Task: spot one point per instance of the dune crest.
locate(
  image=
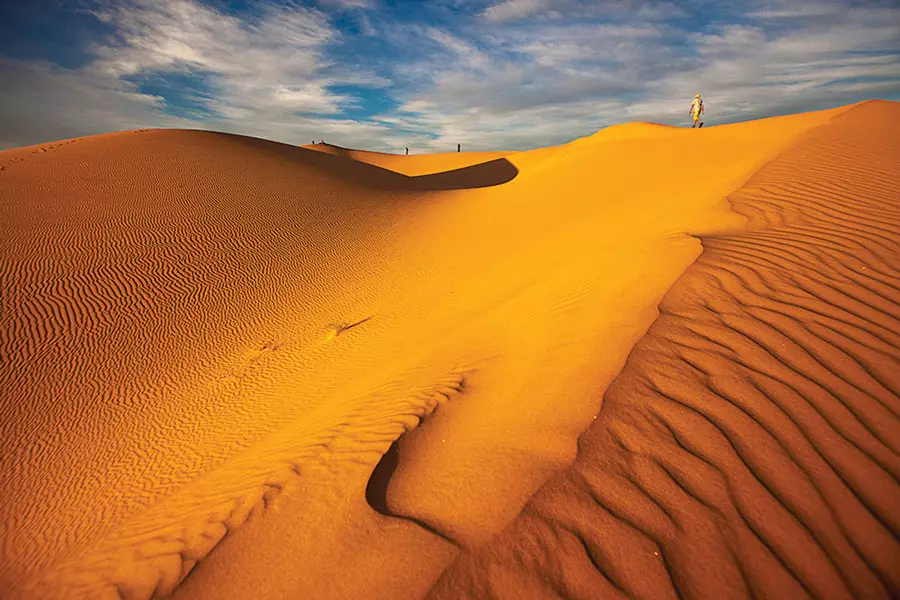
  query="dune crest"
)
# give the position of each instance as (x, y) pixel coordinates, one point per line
(414, 164)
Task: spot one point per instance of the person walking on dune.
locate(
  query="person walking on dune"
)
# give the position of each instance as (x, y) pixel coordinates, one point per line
(696, 110)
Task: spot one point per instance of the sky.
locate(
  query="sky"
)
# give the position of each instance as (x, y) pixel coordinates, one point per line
(386, 74)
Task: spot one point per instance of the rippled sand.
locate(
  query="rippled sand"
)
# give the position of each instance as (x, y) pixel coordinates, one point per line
(257, 370)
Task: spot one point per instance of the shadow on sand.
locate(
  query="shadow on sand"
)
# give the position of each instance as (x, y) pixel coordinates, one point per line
(376, 490)
(487, 174)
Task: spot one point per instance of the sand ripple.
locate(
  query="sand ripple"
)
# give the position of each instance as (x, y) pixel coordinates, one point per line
(750, 446)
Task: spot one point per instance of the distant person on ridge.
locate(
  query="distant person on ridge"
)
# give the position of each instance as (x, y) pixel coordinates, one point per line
(407, 150)
(697, 109)
(459, 147)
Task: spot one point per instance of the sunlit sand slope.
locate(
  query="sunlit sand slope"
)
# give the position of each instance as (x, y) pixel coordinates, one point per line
(170, 297)
(749, 448)
(543, 286)
(210, 343)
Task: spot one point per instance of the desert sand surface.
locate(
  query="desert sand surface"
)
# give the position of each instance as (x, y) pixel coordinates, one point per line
(653, 362)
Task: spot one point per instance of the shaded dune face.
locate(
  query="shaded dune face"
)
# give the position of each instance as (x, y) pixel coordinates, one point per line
(749, 448)
(386, 172)
(413, 164)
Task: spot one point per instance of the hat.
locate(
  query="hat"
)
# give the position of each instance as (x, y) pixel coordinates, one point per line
(697, 96)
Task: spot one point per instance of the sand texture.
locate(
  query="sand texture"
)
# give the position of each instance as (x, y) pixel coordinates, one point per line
(749, 448)
(653, 362)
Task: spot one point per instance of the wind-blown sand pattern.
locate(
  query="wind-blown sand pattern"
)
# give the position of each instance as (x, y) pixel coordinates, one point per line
(750, 446)
(211, 345)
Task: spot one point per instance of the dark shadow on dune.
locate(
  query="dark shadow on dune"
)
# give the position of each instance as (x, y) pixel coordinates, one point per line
(376, 490)
(340, 150)
(487, 174)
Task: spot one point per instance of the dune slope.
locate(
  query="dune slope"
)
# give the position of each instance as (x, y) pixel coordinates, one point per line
(560, 272)
(749, 448)
(236, 368)
(163, 294)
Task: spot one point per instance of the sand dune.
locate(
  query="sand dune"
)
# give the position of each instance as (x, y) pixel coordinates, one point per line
(749, 447)
(211, 345)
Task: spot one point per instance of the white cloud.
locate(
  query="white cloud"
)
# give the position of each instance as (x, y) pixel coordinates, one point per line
(546, 81)
(633, 10)
(465, 53)
(783, 9)
(744, 74)
(261, 73)
(31, 110)
(518, 75)
(561, 45)
(253, 65)
(347, 4)
(508, 10)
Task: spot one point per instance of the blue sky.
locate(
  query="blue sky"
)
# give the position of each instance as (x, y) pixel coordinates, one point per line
(384, 74)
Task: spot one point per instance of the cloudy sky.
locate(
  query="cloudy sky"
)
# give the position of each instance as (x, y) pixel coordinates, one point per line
(384, 74)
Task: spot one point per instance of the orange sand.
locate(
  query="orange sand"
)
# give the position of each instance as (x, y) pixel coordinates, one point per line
(211, 345)
(412, 164)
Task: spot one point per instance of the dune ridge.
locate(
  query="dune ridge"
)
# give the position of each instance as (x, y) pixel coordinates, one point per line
(749, 446)
(413, 164)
